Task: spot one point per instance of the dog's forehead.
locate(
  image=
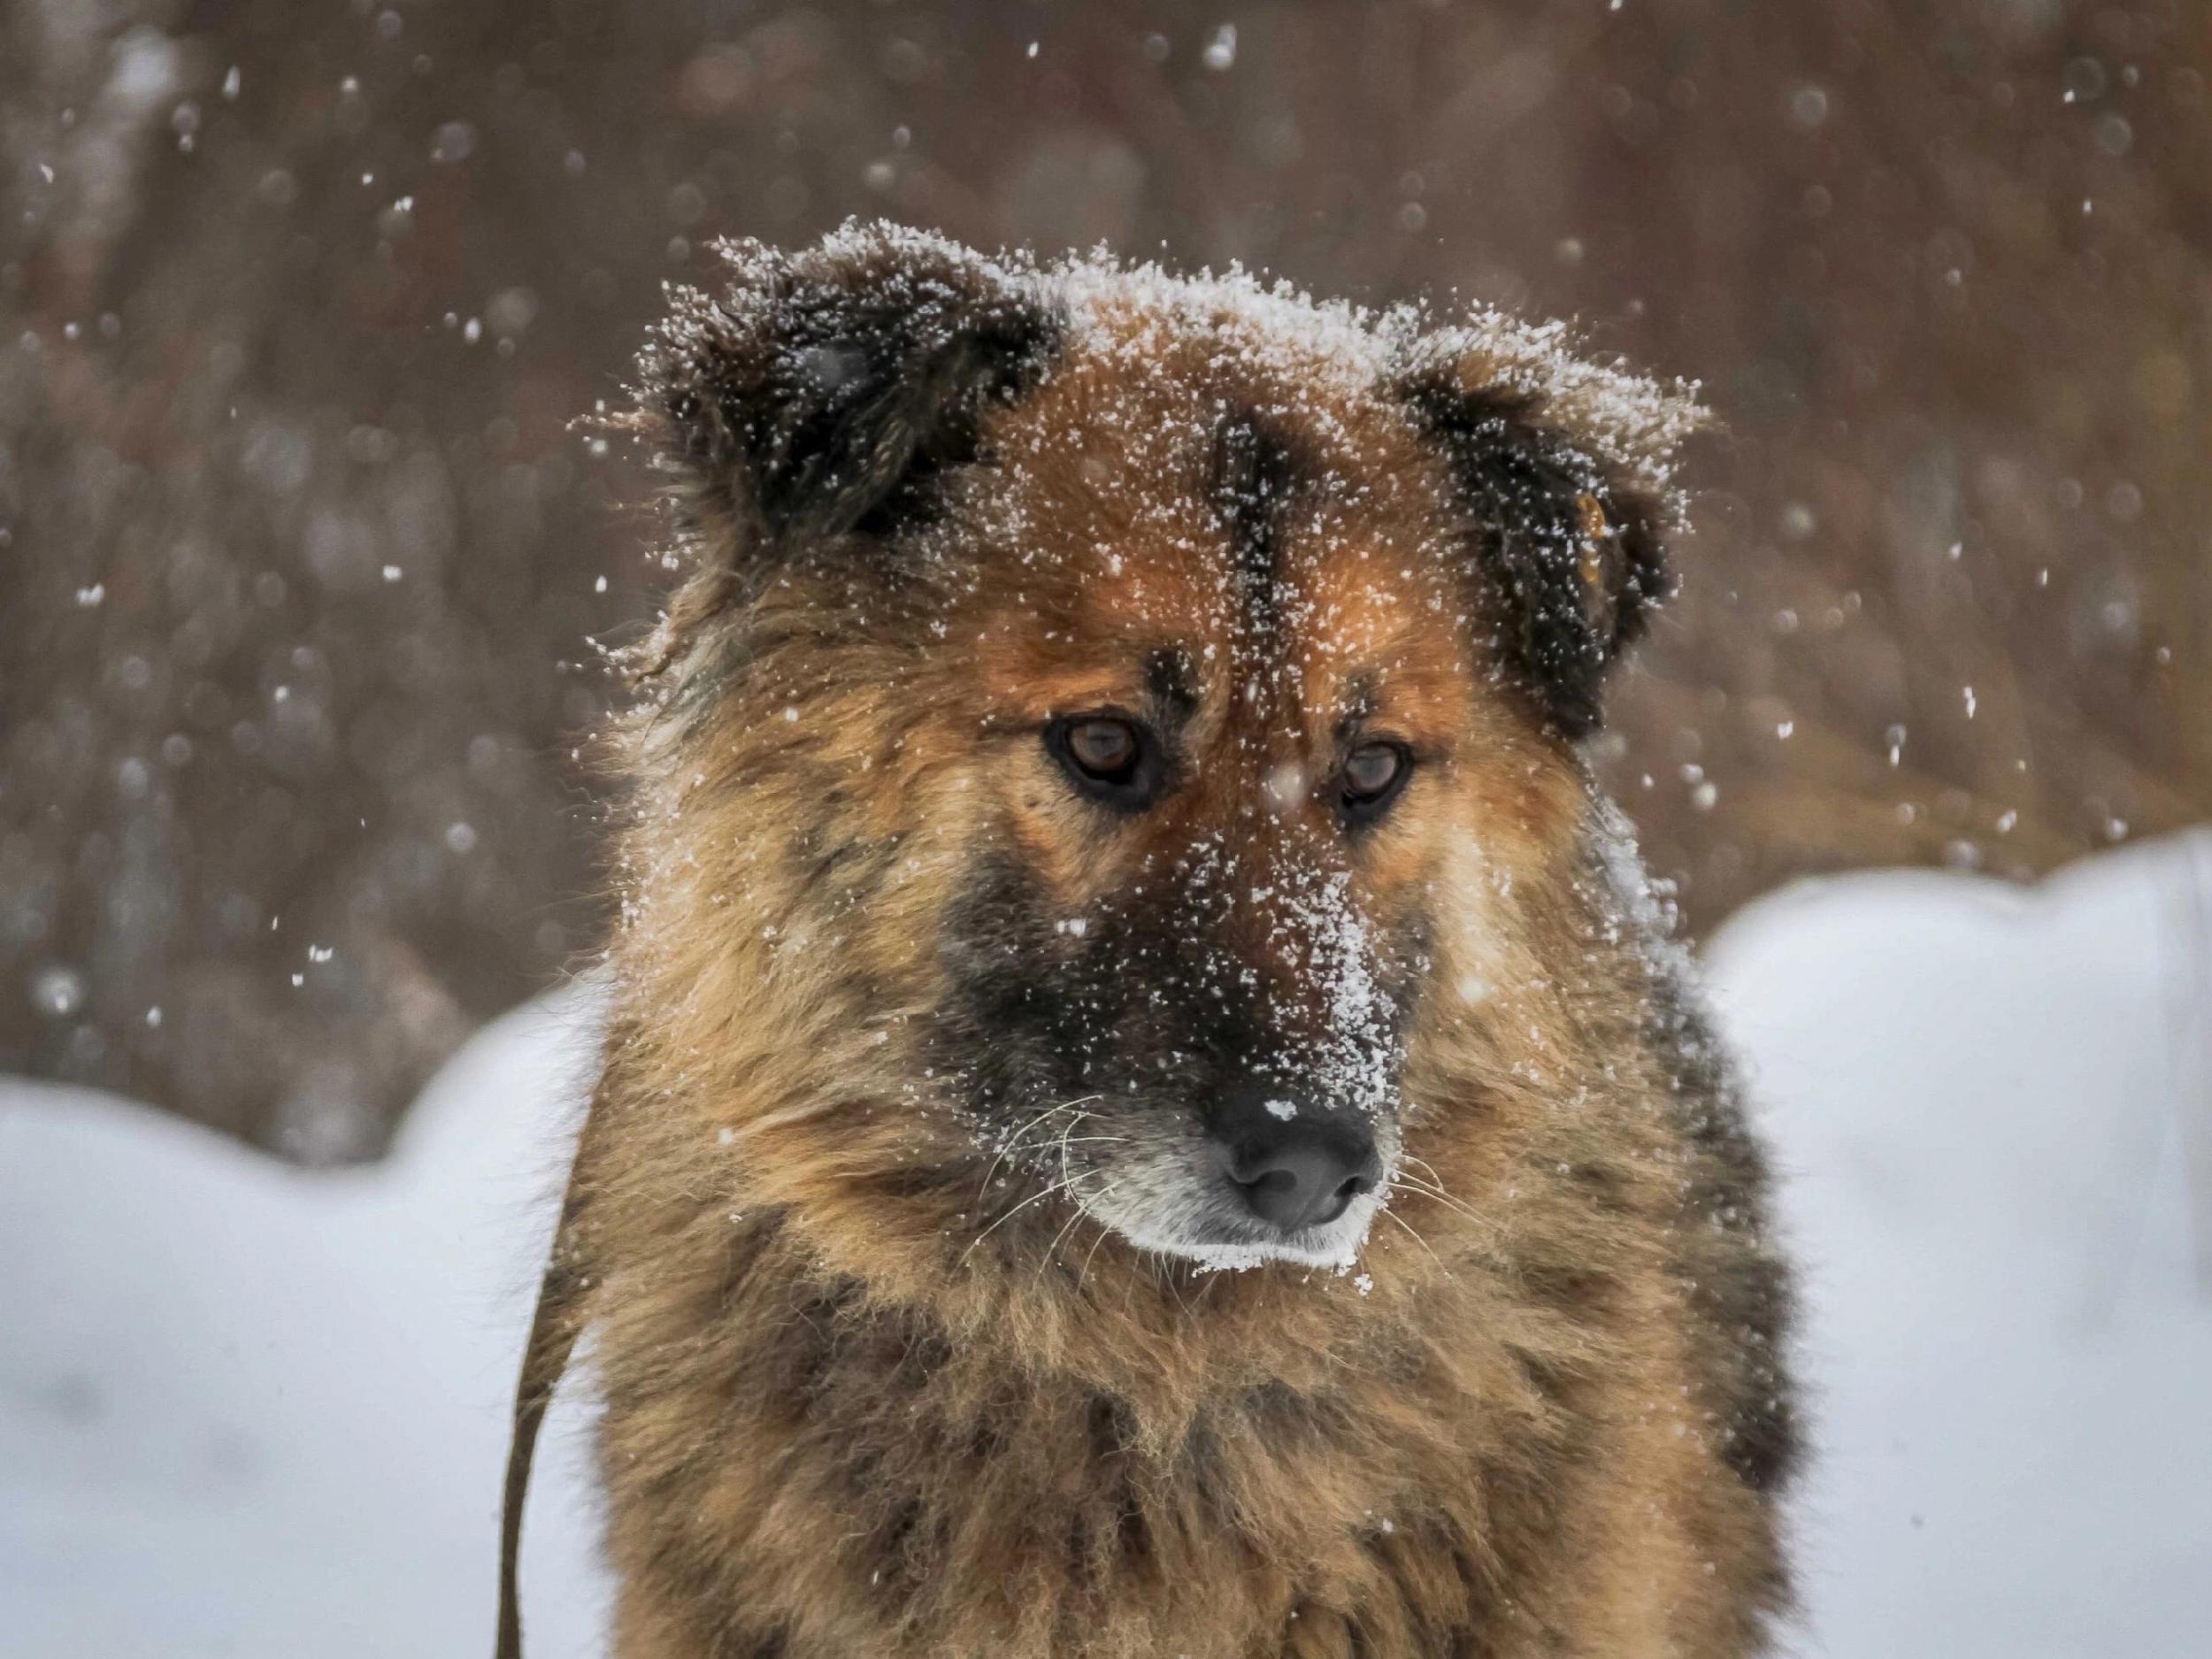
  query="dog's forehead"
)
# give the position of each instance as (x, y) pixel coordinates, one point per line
(1249, 497)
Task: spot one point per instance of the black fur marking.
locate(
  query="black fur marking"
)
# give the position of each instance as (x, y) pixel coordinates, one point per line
(1572, 603)
(1171, 679)
(825, 393)
(1742, 1296)
(1253, 473)
(1362, 696)
(1037, 1015)
(1152, 1008)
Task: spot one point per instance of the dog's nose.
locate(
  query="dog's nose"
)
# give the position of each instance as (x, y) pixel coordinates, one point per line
(1295, 1168)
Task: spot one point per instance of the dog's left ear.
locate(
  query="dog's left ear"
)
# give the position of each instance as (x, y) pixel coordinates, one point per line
(811, 404)
(1568, 520)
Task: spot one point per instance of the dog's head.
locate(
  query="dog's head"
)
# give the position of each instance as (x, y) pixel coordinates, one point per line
(1139, 707)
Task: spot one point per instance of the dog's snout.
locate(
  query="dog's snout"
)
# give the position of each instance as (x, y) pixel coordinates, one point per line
(1293, 1167)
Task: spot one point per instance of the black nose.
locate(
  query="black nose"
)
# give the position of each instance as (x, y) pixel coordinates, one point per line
(1295, 1167)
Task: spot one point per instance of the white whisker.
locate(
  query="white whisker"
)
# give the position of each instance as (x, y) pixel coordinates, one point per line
(1057, 1187)
(1417, 1239)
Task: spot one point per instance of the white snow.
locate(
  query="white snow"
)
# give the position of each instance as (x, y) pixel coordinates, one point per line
(1637, 423)
(1988, 1104)
(248, 1410)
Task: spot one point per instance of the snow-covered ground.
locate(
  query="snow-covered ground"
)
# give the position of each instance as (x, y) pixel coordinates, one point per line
(1987, 1104)
(252, 1411)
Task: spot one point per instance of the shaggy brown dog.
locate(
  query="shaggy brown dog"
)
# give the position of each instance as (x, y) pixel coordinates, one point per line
(1147, 1111)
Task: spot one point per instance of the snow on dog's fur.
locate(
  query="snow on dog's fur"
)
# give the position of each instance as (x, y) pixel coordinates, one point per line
(1113, 766)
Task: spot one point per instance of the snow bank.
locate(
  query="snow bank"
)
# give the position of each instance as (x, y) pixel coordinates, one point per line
(250, 1410)
(246, 1410)
(1985, 1102)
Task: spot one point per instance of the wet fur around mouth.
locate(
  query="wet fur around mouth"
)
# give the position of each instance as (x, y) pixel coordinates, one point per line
(892, 1220)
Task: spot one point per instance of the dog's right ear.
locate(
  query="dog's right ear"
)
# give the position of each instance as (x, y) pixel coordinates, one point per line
(817, 399)
(1559, 467)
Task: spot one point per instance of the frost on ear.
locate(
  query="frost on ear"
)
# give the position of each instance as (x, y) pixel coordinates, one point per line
(819, 393)
(1562, 467)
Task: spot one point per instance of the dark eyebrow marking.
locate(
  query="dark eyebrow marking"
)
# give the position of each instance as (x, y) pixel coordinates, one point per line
(1252, 474)
(1173, 679)
(1362, 697)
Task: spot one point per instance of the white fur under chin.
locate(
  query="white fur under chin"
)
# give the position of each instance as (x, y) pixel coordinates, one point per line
(1199, 1229)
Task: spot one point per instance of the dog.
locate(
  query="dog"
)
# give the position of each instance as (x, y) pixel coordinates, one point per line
(1150, 1108)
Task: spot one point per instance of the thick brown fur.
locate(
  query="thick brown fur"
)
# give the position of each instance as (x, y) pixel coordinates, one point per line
(877, 1381)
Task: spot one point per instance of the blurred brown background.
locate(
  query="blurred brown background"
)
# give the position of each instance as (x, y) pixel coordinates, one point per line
(301, 564)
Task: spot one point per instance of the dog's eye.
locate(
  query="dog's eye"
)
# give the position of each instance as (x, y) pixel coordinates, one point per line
(1108, 757)
(1372, 775)
(1103, 749)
